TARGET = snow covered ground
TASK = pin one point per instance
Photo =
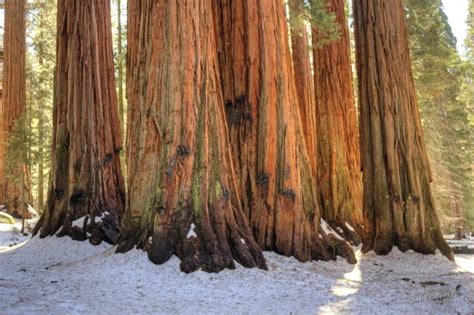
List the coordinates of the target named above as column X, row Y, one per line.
column 61, row 276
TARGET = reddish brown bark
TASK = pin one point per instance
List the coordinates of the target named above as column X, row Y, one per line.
column 182, row 199
column 398, row 206
column 266, row 136
column 303, row 81
column 338, row 153
column 15, row 190
column 86, row 179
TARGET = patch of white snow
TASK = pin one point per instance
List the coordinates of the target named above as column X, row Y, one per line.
column 79, row 222
column 350, row 227
column 191, row 232
column 61, row 276
column 328, row 230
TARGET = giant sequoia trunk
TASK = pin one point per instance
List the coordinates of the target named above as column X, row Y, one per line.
column 15, row 191
column 338, row 154
column 398, row 207
column 86, row 179
column 182, row 199
column 303, row 79
column 269, row 150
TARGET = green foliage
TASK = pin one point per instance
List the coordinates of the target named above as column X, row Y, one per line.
column 324, row 21
column 467, row 97
column 41, row 57
column 442, row 83
column 469, row 42
column 317, row 14
column 17, row 156
column 20, row 140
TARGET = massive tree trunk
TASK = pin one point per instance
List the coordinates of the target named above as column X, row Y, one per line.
column 398, row 207
column 338, row 153
column 182, row 199
column 15, row 191
column 303, row 79
column 266, row 135
column 86, row 179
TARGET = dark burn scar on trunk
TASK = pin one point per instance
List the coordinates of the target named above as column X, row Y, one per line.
column 235, row 112
column 240, row 100
column 78, row 198
column 247, row 117
column 108, row 159
column 263, row 179
column 59, row 193
column 225, row 193
column 160, row 210
column 288, row 193
column 182, row 151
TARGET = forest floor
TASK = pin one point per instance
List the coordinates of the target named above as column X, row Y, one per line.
column 61, row 276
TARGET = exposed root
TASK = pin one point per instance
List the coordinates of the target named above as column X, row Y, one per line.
column 348, row 233
column 197, row 240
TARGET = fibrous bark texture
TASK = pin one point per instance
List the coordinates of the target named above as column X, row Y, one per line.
column 86, row 179
column 338, row 154
column 266, row 136
column 303, row 80
column 182, row 199
column 15, row 191
column 398, row 207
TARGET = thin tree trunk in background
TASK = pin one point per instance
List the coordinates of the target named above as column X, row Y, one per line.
column 41, row 139
column 86, row 179
column 303, row 81
column 182, row 199
column 339, row 175
column 266, row 135
column 458, row 219
column 120, row 69
column 14, row 106
column 23, row 207
column 398, row 207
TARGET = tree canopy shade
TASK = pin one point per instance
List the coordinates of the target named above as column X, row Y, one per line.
column 398, row 206
column 183, row 199
column 86, row 179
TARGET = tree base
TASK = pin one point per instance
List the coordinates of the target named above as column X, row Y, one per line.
column 383, row 245
column 105, row 228
column 199, row 241
column 335, row 245
column 348, row 233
